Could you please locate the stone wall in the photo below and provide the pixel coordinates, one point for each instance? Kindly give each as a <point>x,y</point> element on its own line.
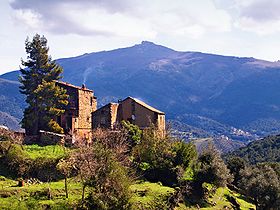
<point>140,115</point>
<point>105,117</point>
<point>102,117</point>
<point>87,105</point>
<point>50,138</point>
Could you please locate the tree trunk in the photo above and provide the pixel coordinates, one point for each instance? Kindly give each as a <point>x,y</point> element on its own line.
<point>83,194</point>
<point>66,187</point>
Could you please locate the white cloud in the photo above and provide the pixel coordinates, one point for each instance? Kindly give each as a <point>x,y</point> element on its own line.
<point>261,17</point>
<point>138,18</point>
<point>29,18</point>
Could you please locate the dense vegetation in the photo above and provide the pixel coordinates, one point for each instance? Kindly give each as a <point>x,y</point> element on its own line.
<point>256,170</point>
<point>264,150</point>
<point>129,169</point>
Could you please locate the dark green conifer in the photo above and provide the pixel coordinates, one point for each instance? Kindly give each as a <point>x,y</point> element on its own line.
<point>45,100</point>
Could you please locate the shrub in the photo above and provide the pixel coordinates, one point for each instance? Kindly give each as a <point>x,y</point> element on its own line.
<point>45,169</point>
<point>156,156</point>
<point>17,160</point>
<point>110,188</point>
<point>35,165</point>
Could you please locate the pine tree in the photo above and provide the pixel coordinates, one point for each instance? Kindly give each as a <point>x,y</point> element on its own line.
<point>45,100</point>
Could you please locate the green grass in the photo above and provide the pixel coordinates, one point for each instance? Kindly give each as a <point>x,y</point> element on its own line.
<point>35,196</point>
<point>52,151</point>
<point>219,200</point>
<point>146,194</point>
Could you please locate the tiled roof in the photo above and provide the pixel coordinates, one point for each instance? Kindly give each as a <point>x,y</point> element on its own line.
<point>145,105</point>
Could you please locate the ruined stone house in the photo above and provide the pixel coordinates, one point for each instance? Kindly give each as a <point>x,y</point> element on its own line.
<point>81,114</point>
<point>77,119</point>
<point>129,109</point>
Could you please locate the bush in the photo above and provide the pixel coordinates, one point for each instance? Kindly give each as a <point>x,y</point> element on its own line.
<point>21,164</point>
<point>157,155</point>
<point>104,168</point>
<point>111,189</point>
<point>17,160</point>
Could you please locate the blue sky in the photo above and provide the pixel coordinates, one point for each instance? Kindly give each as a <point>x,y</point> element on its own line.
<point>249,28</point>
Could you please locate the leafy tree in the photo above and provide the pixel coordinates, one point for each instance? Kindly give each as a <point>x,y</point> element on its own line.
<point>236,165</point>
<point>154,157</point>
<point>212,168</point>
<point>185,153</point>
<point>262,184</point>
<point>45,100</point>
<point>134,132</point>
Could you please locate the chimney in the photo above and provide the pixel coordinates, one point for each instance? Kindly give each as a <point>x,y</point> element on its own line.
<point>83,86</point>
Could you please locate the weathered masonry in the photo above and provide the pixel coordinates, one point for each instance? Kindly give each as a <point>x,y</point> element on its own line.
<point>129,109</point>
<point>77,119</point>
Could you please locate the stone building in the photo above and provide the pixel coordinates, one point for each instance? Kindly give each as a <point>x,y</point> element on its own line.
<point>129,109</point>
<point>106,116</point>
<point>77,119</point>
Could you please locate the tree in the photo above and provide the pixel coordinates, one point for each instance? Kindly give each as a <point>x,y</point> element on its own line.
<point>66,167</point>
<point>262,184</point>
<point>154,157</point>
<point>212,168</point>
<point>236,165</point>
<point>104,168</point>
<point>45,100</point>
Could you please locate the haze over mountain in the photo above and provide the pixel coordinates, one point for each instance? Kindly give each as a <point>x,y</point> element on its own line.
<point>218,94</point>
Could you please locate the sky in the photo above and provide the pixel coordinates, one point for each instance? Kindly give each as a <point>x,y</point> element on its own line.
<point>244,28</point>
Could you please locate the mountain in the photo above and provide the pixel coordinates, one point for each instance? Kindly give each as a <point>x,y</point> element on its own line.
<point>219,94</point>
<point>11,101</point>
<point>9,121</point>
<point>264,150</point>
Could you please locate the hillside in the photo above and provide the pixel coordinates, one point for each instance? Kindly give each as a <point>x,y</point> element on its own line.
<point>264,150</point>
<point>233,94</point>
<point>9,121</point>
<point>11,101</point>
<point>202,138</point>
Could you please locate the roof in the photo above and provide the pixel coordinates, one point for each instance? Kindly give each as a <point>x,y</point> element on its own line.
<point>73,86</point>
<point>145,105</point>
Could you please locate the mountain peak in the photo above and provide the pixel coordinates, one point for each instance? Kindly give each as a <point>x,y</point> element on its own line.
<point>150,46</point>
<point>147,43</point>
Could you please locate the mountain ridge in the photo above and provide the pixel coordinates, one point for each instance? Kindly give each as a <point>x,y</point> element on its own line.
<point>230,90</point>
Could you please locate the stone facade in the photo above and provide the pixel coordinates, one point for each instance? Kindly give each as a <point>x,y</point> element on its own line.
<point>77,119</point>
<point>105,117</point>
<point>81,115</point>
<point>132,110</point>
